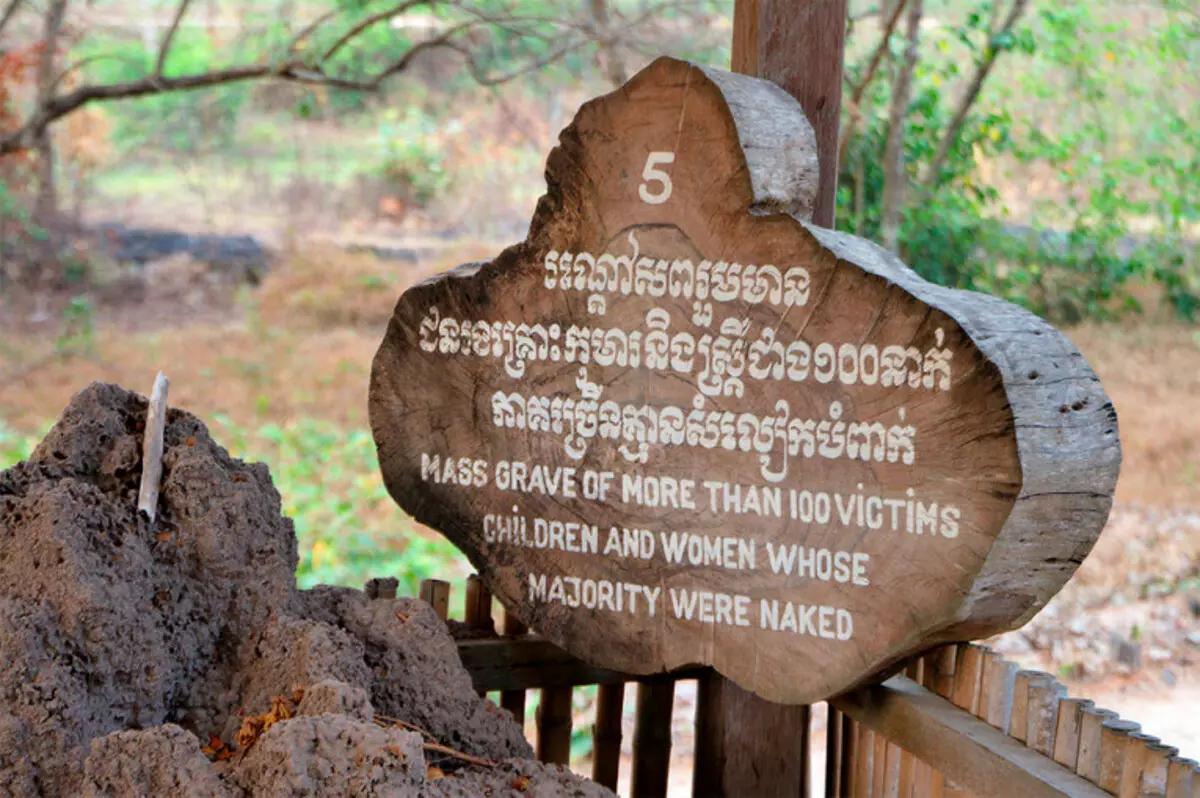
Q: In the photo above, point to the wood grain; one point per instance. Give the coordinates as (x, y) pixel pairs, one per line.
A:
(1000, 473)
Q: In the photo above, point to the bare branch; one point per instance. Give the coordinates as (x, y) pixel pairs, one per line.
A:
(368, 22)
(868, 76)
(310, 28)
(165, 47)
(982, 70)
(894, 175)
(8, 13)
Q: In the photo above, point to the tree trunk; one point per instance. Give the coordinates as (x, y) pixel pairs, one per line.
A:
(894, 176)
(613, 65)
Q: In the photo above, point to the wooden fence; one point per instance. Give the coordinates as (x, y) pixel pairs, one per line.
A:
(959, 721)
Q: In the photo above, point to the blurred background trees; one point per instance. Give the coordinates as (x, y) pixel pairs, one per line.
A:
(1046, 152)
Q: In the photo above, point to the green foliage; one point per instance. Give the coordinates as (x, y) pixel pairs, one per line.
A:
(183, 121)
(413, 163)
(1100, 111)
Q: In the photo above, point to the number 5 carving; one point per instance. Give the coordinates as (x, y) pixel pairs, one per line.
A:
(651, 174)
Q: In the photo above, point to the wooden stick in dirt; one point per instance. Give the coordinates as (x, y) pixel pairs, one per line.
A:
(152, 449)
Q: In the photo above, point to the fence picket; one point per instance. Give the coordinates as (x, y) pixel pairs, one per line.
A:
(554, 726)
(1183, 780)
(652, 739)
(606, 734)
(1092, 720)
(436, 594)
(1041, 721)
(1066, 731)
(1115, 740)
(513, 700)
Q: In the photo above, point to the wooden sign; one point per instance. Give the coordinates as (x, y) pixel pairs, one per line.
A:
(680, 425)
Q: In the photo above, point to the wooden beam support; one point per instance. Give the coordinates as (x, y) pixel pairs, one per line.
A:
(967, 750)
(800, 45)
(746, 746)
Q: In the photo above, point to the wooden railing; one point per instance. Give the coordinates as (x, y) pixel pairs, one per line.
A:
(959, 720)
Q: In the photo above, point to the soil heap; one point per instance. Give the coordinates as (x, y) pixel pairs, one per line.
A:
(125, 647)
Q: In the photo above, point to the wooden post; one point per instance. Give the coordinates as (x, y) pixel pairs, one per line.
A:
(436, 594)
(747, 746)
(554, 726)
(606, 734)
(800, 45)
(514, 700)
(753, 747)
(652, 740)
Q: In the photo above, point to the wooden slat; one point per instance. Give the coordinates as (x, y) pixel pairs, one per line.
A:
(986, 681)
(1115, 741)
(479, 604)
(967, 750)
(1182, 778)
(1002, 679)
(909, 764)
(1042, 716)
(834, 751)
(967, 677)
(652, 740)
(530, 662)
(1066, 731)
(1137, 757)
(1088, 762)
(436, 594)
(864, 770)
(606, 734)
(513, 700)
(478, 611)
(1153, 781)
(849, 752)
(891, 772)
(879, 774)
(1018, 723)
(941, 680)
(554, 726)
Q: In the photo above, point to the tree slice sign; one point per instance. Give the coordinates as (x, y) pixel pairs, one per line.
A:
(680, 425)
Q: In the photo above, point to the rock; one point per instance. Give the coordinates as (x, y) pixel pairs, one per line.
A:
(337, 698)
(165, 760)
(418, 677)
(515, 779)
(332, 755)
(125, 644)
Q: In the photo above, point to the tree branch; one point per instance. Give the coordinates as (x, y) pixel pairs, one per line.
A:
(165, 47)
(982, 70)
(861, 88)
(894, 175)
(370, 21)
(8, 13)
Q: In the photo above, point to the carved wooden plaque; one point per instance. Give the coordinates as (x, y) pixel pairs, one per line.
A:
(681, 425)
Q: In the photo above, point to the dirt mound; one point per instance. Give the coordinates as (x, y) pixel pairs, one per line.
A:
(126, 645)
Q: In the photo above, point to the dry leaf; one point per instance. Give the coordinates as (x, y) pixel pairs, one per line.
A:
(521, 783)
(189, 441)
(433, 773)
(163, 537)
(216, 750)
(255, 726)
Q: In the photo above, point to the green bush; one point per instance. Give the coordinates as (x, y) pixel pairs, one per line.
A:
(1076, 93)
